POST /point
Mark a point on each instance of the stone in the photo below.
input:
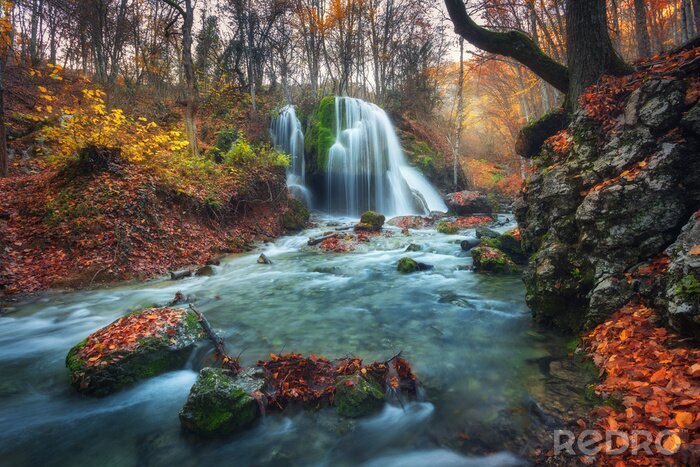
(413, 247)
(661, 103)
(263, 259)
(96, 369)
(221, 403)
(464, 203)
(485, 232)
(356, 396)
(409, 265)
(487, 259)
(204, 271)
(296, 217)
(371, 221)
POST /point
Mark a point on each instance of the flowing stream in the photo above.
(468, 337)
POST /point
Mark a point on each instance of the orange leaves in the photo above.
(657, 380)
(126, 334)
(628, 175)
(560, 142)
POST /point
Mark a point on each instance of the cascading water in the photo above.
(367, 168)
(288, 136)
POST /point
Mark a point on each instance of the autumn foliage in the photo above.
(657, 381)
(293, 378)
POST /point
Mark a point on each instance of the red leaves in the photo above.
(311, 380)
(657, 379)
(604, 101)
(560, 142)
(125, 334)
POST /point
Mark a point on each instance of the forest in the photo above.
(350, 232)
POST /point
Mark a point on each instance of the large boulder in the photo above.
(356, 396)
(371, 221)
(508, 243)
(221, 402)
(132, 348)
(409, 265)
(487, 259)
(464, 203)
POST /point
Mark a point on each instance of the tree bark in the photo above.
(460, 114)
(640, 29)
(696, 15)
(590, 53)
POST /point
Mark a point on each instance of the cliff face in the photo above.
(611, 210)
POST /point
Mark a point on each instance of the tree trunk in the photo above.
(590, 53)
(640, 29)
(188, 69)
(3, 135)
(696, 15)
(460, 114)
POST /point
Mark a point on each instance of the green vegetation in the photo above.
(321, 133)
(296, 217)
(447, 228)
(407, 266)
(356, 396)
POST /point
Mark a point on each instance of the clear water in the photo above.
(468, 337)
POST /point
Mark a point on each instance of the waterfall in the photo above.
(288, 136)
(367, 168)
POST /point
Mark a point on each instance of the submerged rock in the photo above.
(485, 232)
(464, 203)
(356, 396)
(413, 247)
(296, 217)
(371, 221)
(134, 347)
(222, 403)
(488, 259)
(409, 265)
(204, 271)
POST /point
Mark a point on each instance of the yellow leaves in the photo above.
(695, 250)
(672, 442)
(43, 90)
(624, 335)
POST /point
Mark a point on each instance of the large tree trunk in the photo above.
(696, 14)
(188, 69)
(640, 29)
(590, 53)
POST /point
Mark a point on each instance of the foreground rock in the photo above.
(371, 221)
(487, 259)
(221, 403)
(133, 348)
(357, 396)
(464, 203)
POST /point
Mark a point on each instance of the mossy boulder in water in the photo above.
(134, 347)
(409, 265)
(296, 217)
(221, 402)
(508, 243)
(371, 221)
(488, 259)
(356, 396)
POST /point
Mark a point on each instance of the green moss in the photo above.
(689, 286)
(356, 396)
(488, 259)
(407, 266)
(73, 363)
(372, 218)
(572, 345)
(296, 217)
(320, 135)
(447, 228)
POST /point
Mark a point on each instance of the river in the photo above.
(468, 336)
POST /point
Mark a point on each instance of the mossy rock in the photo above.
(221, 403)
(371, 221)
(488, 259)
(105, 371)
(447, 228)
(356, 396)
(409, 265)
(508, 244)
(296, 217)
(320, 135)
